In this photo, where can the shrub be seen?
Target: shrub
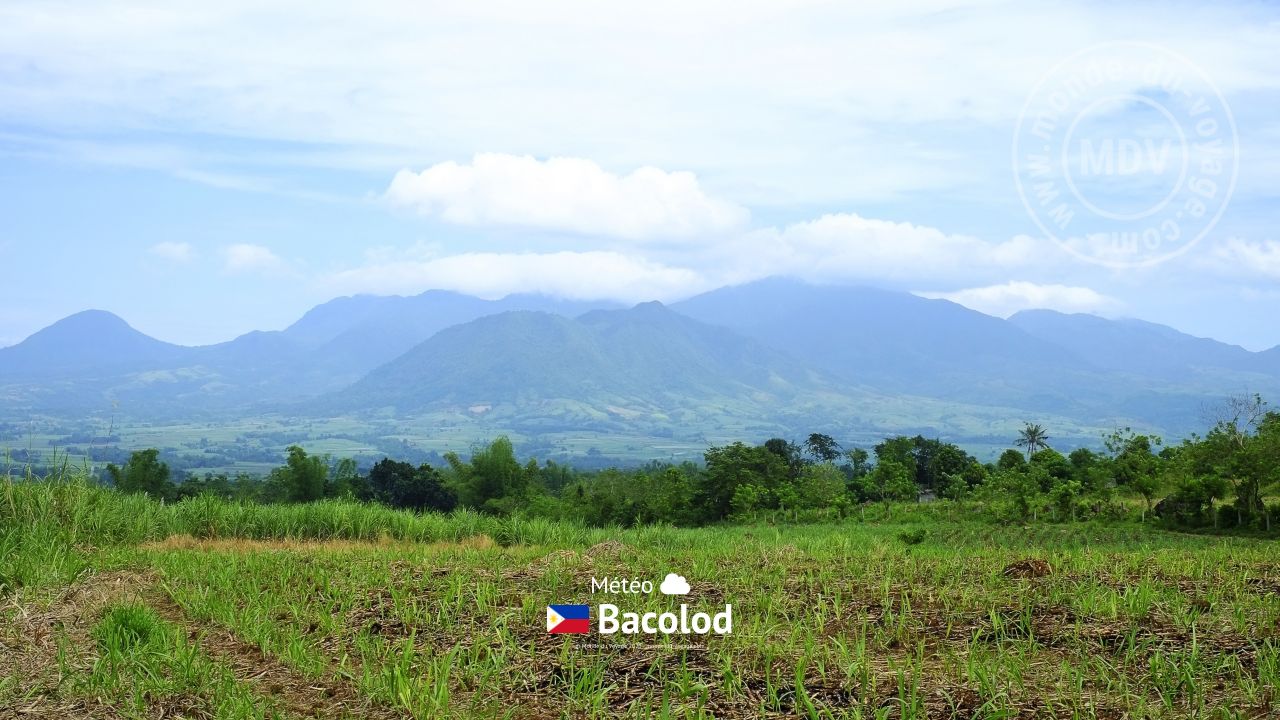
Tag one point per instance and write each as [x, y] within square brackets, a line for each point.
[915, 536]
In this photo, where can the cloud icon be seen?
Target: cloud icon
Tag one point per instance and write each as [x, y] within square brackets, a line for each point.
[674, 584]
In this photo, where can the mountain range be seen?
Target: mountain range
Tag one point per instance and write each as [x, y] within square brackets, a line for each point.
[774, 355]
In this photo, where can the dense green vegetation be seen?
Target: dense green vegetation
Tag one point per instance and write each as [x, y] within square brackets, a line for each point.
[1216, 481]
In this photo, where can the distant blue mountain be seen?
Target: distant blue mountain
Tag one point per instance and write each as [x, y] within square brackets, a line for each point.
[1099, 371]
[96, 358]
[742, 354]
[90, 343]
[885, 339]
[354, 335]
[1137, 346]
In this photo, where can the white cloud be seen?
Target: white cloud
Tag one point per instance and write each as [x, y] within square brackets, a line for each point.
[805, 99]
[1008, 298]
[179, 252]
[1237, 256]
[674, 584]
[832, 248]
[564, 193]
[244, 257]
[851, 247]
[575, 275]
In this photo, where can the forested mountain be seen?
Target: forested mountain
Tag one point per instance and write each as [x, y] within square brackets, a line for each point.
[1081, 366]
[1137, 346]
[732, 357]
[647, 359]
[890, 339]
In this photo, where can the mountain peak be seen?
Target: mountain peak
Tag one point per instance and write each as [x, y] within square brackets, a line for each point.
[87, 340]
[646, 313]
[90, 319]
[653, 308]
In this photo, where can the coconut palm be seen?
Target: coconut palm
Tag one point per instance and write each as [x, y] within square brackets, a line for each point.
[1033, 437]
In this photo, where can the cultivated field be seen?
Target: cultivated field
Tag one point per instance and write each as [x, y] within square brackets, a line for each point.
[120, 607]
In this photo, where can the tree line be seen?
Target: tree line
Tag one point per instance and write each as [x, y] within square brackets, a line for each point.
[1216, 480]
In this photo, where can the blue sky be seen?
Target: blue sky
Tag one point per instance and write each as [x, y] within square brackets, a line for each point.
[205, 169]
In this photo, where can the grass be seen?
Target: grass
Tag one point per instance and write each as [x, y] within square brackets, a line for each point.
[378, 613]
[145, 663]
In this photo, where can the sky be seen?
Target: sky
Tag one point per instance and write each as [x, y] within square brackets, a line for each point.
[206, 169]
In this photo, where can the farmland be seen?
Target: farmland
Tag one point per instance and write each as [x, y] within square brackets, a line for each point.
[121, 606]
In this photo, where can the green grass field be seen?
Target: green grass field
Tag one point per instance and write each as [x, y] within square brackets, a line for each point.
[118, 606]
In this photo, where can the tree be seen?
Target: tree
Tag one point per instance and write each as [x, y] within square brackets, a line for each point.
[1054, 468]
[789, 452]
[822, 447]
[386, 477]
[1011, 460]
[1033, 437]
[738, 464]
[746, 501]
[894, 455]
[954, 487]
[859, 462]
[1016, 489]
[425, 490]
[1135, 465]
[822, 486]
[493, 481]
[670, 495]
[347, 482]
[937, 460]
[1064, 498]
[1191, 503]
[928, 460]
[401, 485]
[143, 473]
[305, 477]
[899, 448]
[1245, 441]
[1090, 470]
[893, 482]
[217, 485]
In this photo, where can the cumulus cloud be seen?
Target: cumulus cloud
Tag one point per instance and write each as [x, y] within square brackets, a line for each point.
[674, 584]
[848, 246]
[574, 275]
[244, 257]
[832, 248]
[562, 193]
[1008, 298]
[179, 252]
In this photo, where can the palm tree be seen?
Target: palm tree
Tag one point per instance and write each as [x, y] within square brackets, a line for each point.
[1033, 437]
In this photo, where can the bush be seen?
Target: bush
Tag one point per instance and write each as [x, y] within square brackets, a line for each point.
[1228, 517]
[914, 536]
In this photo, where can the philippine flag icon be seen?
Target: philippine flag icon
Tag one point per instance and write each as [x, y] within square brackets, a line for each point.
[568, 618]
